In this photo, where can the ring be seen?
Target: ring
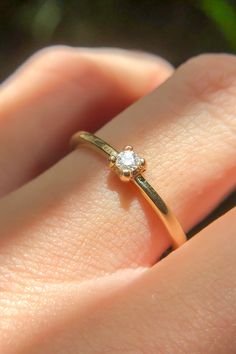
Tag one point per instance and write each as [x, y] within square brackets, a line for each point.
[130, 167]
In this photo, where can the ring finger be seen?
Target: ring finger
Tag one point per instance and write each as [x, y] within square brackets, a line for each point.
[78, 221]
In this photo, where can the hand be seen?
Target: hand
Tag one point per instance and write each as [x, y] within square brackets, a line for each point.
[77, 245]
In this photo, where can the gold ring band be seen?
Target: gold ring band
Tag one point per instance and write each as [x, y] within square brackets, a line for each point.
[129, 167]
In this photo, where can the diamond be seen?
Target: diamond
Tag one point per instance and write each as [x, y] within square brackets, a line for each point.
[128, 160]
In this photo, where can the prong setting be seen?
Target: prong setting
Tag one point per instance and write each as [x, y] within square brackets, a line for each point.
[142, 161]
[126, 175]
[128, 148]
[127, 164]
[112, 160]
[143, 164]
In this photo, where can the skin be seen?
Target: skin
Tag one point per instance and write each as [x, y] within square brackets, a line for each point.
[78, 249]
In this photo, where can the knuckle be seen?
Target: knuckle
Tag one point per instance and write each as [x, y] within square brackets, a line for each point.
[209, 80]
[207, 74]
[53, 54]
[64, 62]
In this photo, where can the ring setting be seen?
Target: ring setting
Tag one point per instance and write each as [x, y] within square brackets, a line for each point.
[127, 164]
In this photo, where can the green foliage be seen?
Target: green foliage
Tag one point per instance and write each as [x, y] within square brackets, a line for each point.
[40, 18]
[224, 15]
[46, 19]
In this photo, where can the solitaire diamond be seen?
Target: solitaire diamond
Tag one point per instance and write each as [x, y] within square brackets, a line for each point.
[128, 160]
[127, 164]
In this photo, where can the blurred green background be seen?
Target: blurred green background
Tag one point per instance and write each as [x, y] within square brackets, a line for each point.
[174, 29]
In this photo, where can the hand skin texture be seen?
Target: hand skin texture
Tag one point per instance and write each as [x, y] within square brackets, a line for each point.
[78, 248]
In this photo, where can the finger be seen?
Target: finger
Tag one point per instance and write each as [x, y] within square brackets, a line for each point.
[77, 221]
[60, 90]
[185, 304]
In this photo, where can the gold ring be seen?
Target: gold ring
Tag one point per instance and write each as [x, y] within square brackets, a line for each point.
[129, 167]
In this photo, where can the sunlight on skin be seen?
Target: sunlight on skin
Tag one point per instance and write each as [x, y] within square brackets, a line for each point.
[76, 231]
